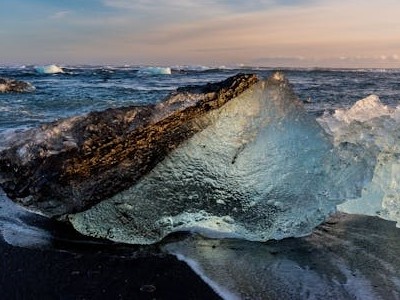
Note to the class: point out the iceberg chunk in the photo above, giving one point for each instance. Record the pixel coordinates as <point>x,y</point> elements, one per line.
<point>49,69</point>
<point>15,86</point>
<point>262,169</point>
<point>155,71</point>
<point>372,129</point>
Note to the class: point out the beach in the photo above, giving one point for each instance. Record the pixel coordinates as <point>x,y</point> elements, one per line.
<point>351,255</point>
<point>52,274</point>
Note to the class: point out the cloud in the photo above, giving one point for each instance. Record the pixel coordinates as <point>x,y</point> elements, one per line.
<point>209,31</point>
<point>282,61</point>
<point>375,58</point>
<point>60,14</point>
<point>203,8</point>
<point>155,5</point>
<point>279,58</point>
<point>188,30</point>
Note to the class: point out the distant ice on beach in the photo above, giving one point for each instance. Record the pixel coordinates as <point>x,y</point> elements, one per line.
<point>155,71</point>
<point>48,69</point>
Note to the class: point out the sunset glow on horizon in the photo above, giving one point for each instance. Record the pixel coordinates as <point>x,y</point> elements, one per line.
<point>271,33</point>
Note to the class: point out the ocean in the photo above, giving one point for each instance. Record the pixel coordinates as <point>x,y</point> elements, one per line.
<point>82,89</point>
<point>345,258</point>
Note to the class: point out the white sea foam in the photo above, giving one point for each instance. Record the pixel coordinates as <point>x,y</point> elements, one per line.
<point>5,108</point>
<point>48,69</point>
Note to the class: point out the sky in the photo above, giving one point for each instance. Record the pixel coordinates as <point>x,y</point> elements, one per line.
<point>271,33</point>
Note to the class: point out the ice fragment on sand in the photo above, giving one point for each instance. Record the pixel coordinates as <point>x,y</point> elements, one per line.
<point>262,155</point>
<point>372,129</point>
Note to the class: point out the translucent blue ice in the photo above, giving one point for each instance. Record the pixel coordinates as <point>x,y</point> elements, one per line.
<point>49,69</point>
<point>155,71</point>
<point>373,130</point>
<point>262,170</point>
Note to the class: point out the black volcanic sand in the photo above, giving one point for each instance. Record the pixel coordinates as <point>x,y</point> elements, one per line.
<point>53,274</point>
<point>347,257</point>
<point>50,260</point>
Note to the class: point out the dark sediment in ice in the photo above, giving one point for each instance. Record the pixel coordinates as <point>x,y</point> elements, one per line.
<point>70,165</point>
<point>15,86</point>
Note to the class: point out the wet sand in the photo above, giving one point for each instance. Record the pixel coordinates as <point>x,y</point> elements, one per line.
<point>53,274</point>
<point>347,257</point>
<point>44,259</point>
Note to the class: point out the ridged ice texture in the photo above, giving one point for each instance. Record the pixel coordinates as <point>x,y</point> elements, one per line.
<point>373,131</point>
<point>263,170</point>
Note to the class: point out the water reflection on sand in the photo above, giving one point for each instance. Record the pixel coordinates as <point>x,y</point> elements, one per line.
<point>348,257</point>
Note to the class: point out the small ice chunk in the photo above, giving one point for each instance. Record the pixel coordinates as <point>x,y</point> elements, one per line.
<point>49,69</point>
<point>155,71</point>
<point>369,130</point>
<point>363,110</point>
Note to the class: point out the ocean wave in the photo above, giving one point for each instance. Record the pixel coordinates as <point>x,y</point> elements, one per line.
<point>5,108</point>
